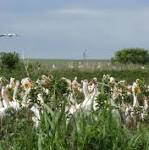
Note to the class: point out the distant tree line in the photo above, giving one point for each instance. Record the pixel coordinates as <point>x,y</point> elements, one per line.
<point>131,55</point>
<point>11,60</point>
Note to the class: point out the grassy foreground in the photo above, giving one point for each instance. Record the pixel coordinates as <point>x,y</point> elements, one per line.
<point>96,130</point>
<point>84,132</point>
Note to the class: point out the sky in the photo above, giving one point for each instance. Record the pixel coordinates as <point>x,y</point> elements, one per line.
<point>65,28</point>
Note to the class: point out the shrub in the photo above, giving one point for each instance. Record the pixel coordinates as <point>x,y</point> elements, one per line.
<point>10,59</point>
<point>131,55</point>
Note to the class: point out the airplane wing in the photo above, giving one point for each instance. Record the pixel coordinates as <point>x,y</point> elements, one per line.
<point>1,35</point>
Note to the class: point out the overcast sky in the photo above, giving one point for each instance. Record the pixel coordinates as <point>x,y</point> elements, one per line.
<point>65,28</point>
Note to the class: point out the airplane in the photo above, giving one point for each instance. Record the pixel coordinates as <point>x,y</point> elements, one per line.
<point>8,34</point>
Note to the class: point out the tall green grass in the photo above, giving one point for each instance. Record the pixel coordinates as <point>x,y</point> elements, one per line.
<point>96,130</point>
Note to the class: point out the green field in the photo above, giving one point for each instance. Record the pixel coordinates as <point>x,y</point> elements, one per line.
<point>81,68</point>
<point>92,64</point>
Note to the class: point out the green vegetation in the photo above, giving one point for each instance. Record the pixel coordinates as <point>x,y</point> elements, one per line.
<point>132,55</point>
<point>97,130</point>
<point>9,60</point>
<point>34,71</point>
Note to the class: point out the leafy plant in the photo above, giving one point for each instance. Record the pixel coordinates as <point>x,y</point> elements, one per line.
<point>10,59</point>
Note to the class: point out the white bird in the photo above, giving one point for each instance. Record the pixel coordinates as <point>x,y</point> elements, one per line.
<point>36,117</point>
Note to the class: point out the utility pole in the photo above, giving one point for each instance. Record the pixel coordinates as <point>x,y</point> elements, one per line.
<point>84,55</point>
